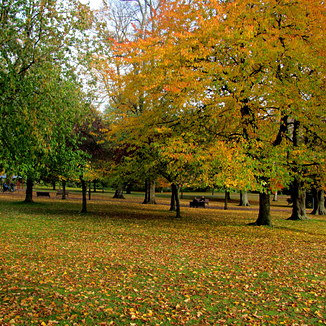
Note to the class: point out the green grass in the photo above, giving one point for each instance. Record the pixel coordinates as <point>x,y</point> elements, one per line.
<point>125,263</point>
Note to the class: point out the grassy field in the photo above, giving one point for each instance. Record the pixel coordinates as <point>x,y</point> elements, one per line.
<point>125,263</point>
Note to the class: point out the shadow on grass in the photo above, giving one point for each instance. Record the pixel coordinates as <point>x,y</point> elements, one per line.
<point>112,210</point>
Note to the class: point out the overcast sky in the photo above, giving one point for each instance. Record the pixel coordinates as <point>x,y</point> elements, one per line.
<point>94,4</point>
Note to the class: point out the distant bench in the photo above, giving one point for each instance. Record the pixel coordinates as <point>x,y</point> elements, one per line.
<point>199,203</point>
<point>60,192</point>
<point>42,194</point>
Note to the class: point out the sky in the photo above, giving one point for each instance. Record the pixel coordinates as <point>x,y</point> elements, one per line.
<point>94,4</point>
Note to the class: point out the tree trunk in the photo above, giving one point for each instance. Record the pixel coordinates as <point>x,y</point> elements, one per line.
<point>149,191</point>
<point>63,189</point>
<point>299,201</point>
<point>173,200</point>
<point>275,196</point>
<point>89,190</point>
<point>29,191</point>
<point>128,189</point>
<point>175,190</point>
<point>264,215</point>
<point>84,195</point>
<point>53,185</point>
<point>94,185</point>
<point>119,193</point>
<point>226,199</point>
<point>244,199</point>
<point>319,202</point>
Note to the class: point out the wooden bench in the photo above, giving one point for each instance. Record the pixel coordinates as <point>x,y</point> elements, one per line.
<point>59,193</point>
<point>199,203</point>
<point>290,201</point>
<point>42,194</point>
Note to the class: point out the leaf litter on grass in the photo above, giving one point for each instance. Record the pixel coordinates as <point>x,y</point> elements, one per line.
<point>125,267</point>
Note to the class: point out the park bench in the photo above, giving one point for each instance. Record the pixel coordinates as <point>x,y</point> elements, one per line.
<point>42,194</point>
<point>290,201</point>
<point>199,203</point>
<point>59,192</point>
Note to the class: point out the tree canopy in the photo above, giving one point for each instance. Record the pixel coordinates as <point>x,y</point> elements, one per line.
<point>249,75</point>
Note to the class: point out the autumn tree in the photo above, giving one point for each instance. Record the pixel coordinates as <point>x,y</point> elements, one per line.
<point>248,72</point>
<point>125,21</point>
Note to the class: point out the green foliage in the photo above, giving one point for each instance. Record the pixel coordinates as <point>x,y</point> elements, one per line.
<point>41,98</point>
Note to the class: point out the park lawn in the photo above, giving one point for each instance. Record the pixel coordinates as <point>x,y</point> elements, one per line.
<point>125,263</point>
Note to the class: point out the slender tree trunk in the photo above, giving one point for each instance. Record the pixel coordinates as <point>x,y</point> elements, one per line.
<point>299,201</point>
<point>63,189</point>
<point>149,192</point>
<point>175,190</point>
<point>84,195</point>
<point>244,198</point>
<point>89,190</point>
<point>29,191</point>
<point>319,202</point>
<point>173,200</point>
<point>53,185</point>
<point>226,199</point>
<point>264,215</point>
<point>94,185</point>
<point>275,196</point>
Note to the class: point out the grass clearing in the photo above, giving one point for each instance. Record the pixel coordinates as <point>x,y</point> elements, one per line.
<point>125,263</point>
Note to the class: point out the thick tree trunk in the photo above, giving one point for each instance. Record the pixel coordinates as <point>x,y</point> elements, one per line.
<point>128,189</point>
<point>29,191</point>
<point>175,190</point>
<point>244,199</point>
<point>119,193</point>
<point>84,196</point>
<point>63,189</point>
<point>319,202</point>
<point>149,191</point>
<point>264,215</point>
<point>299,201</point>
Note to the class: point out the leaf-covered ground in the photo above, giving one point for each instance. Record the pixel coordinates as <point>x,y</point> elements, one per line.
<point>131,264</point>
